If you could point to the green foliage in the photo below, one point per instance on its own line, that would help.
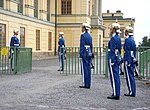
(146, 41)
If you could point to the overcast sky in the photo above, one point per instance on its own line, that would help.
(138, 9)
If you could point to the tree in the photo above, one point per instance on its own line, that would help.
(146, 41)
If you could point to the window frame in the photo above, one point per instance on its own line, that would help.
(3, 42)
(2, 5)
(20, 6)
(49, 40)
(66, 7)
(48, 10)
(37, 39)
(89, 7)
(36, 8)
(23, 45)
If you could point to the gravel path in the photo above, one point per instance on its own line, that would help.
(46, 89)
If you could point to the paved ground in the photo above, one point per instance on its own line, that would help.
(46, 89)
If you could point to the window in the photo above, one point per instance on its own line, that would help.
(37, 39)
(48, 10)
(100, 40)
(1, 3)
(104, 34)
(2, 35)
(22, 36)
(20, 6)
(36, 8)
(122, 33)
(49, 41)
(66, 6)
(88, 7)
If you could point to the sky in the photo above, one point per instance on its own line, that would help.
(138, 9)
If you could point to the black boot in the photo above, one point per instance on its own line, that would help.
(129, 95)
(84, 87)
(113, 97)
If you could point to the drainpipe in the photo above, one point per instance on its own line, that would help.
(55, 27)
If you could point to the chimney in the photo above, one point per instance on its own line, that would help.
(118, 11)
(107, 11)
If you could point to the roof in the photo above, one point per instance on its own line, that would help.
(116, 17)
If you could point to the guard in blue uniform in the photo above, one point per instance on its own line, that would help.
(114, 60)
(13, 43)
(85, 55)
(129, 61)
(61, 44)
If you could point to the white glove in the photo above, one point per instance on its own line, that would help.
(129, 65)
(134, 60)
(112, 64)
(12, 51)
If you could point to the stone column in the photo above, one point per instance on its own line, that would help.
(94, 17)
(100, 12)
(96, 7)
(4, 3)
(100, 8)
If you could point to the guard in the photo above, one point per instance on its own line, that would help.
(86, 55)
(129, 61)
(13, 43)
(61, 44)
(114, 60)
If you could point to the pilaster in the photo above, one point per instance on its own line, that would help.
(43, 10)
(96, 18)
(29, 8)
(11, 5)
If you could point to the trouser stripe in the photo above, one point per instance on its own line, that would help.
(82, 72)
(113, 80)
(128, 79)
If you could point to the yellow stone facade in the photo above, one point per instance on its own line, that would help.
(12, 19)
(46, 17)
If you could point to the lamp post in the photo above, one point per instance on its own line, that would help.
(55, 26)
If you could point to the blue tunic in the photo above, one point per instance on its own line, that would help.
(114, 60)
(86, 55)
(14, 41)
(61, 43)
(85, 39)
(114, 45)
(130, 50)
(129, 60)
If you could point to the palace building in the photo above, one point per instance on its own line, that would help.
(109, 18)
(40, 21)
